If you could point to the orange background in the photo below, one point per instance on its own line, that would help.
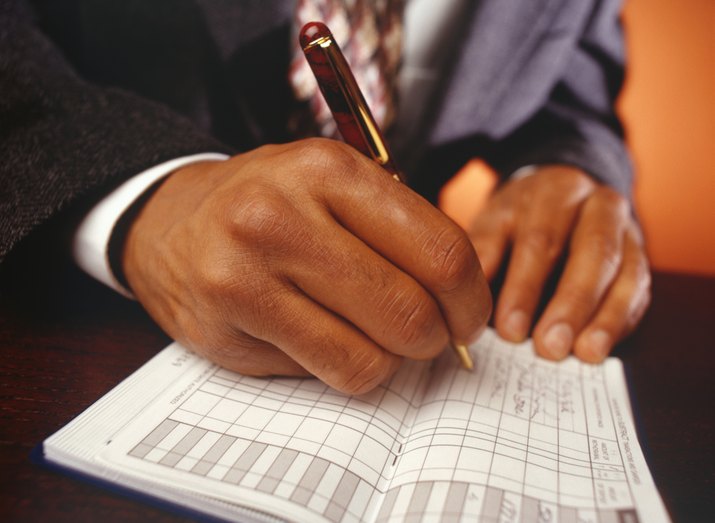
(668, 106)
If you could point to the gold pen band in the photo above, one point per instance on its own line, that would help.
(354, 98)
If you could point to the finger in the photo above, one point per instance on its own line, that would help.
(301, 243)
(624, 305)
(490, 234)
(389, 306)
(324, 344)
(414, 236)
(247, 355)
(596, 253)
(210, 328)
(539, 241)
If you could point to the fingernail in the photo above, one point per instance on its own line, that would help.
(558, 340)
(599, 343)
(516, 325)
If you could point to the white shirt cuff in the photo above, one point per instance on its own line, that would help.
(90, 244)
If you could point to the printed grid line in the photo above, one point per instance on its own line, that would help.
(370, 419)
(558, 443)
(528, 434)
(254, 450)
(620, 454)
(501, 414)
(557, 458)
(285, 456)
(482, 369)
(270, 480)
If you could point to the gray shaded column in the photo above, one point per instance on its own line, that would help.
(211, 457)
(244, 462)
(492, 503)
(388, 504)
(310, 480)
(153, 438)
(183, 447)
(418, 502)
(277, 470)
(342, 496)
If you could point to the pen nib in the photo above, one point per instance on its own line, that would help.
(463, 354)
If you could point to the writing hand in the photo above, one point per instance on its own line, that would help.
(304, 258)
(604, 289)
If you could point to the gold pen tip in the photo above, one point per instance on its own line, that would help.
(463, 353)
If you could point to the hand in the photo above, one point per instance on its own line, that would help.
(604, 289)
(305, 258)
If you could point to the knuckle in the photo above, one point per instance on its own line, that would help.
(261, 217)
(327, 155)
(569, 178)
(267, 149)
(453, 258)
(642, 293)
(214, 340)
(325, 164)
(236, 351)
(267, 303)
(229, 287)
(543, 243)
(362, 375)
(646, 282)
(608, 250)
(229, 351)
(240, 352)
(411, 318)
(645, 301)
(215, 278)
(227, 300)
(639, 274)
(642, 271)
(614, 200)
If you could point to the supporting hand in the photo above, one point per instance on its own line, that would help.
(604, 289)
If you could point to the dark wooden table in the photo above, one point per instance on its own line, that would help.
(65, 344)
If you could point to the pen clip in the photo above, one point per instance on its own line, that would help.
(343, 95)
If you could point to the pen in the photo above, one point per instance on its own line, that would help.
(350, 110)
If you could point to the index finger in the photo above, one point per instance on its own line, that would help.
(414, 236)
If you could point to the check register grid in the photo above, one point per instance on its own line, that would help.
(296, 439)
(520, 443)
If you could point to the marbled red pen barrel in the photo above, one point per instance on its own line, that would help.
(342, 94)
(351, 112)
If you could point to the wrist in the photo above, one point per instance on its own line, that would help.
(152, 220)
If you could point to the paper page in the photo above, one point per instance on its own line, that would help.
(518, 439)
(523, 439)
(273, 443)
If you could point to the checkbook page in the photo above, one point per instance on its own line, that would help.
(518, 439)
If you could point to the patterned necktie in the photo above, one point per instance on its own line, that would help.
(369, 33)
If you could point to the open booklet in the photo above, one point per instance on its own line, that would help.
(518, 439)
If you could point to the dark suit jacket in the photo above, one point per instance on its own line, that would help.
(94, 91)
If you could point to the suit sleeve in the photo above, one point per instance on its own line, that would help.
(577, 125)
(63, 139)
